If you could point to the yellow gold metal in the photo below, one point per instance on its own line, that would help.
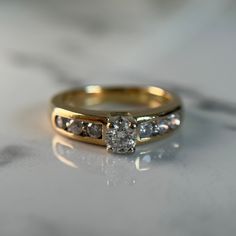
(81, 104)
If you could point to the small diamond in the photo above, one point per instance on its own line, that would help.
(75, 127)
(160, 128)
(173, 120)
(121, 134)
(145, 130)
(61, 122)
(94, 130)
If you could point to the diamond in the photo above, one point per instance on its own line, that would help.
(121, 134)
(75, 127)
(160, 128)
(61, 122)
(173, 120)
(145, 130)
(94, 130)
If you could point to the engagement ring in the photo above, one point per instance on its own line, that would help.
(77, 114)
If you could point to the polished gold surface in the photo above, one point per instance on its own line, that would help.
(148, 103)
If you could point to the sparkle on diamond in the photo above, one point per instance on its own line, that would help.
(75, 127)
(145, 130)
(121, 134)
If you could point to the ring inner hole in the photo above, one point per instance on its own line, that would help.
(116, 99)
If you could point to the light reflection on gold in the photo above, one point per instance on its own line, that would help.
(156, 91)
(94, 89)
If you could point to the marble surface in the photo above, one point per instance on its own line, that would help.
(182, 186)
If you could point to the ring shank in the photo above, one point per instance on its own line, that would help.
(151, 100)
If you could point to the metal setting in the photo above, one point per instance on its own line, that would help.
(74, 114)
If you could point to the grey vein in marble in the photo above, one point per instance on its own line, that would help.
(13, 153)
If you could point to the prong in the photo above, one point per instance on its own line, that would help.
(133, 125)
(110, 125)
(109, 149)
(132, 150)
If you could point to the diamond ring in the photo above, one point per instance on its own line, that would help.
(77, 114)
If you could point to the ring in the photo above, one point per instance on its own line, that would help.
(151, 114)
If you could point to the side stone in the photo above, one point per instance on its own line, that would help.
(75, 127)
(94, 130)
(174, 120)
(61, 122)
(160, 128)
(145, 129)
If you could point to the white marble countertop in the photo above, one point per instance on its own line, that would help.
(182, 186)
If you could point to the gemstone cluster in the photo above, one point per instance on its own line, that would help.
(79, 127)
(159, 126)
(122, 131)
(121, 135)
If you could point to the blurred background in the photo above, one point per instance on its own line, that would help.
(179, 41)
(183, 186)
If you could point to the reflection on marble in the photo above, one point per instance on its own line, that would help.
(116, 168)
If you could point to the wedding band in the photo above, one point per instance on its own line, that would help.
(155, 114)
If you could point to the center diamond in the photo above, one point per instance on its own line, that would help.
(121, 134)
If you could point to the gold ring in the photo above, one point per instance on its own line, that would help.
(79, 114)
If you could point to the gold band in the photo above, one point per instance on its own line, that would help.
(156, 113)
